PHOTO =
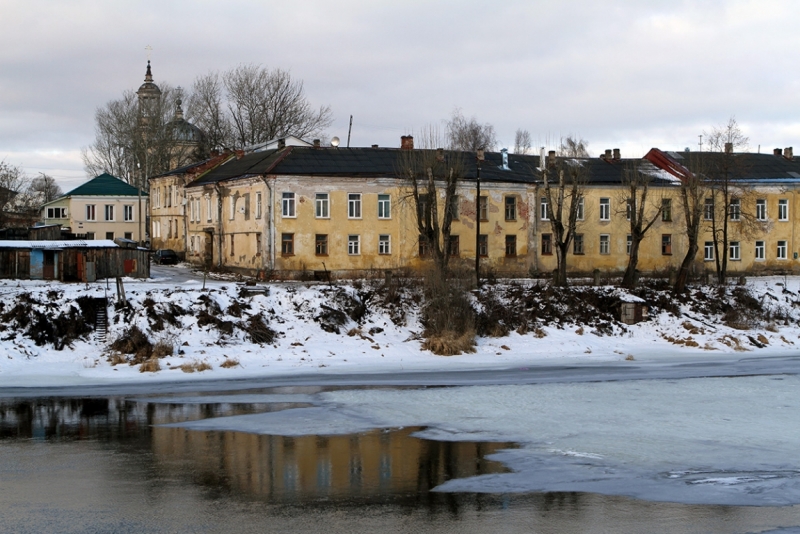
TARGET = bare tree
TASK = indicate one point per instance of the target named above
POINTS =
(12, 181)
(573, 147)
(264, 104)
(206, 108)
(642, 213)
(433, 174)
(723, 174)
(522, 142)
(692, 194)
(45, 188)
(469, 135)
(564, 183)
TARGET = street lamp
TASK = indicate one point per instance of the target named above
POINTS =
(479, 158)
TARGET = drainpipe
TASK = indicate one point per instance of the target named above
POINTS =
(219, 226)
(271, 229)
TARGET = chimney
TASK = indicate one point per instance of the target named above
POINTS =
(239, 154)
(607, 155)
(406, 142)
(374, 146)
(729, 148)
(439, 154)
(551, 158)
(787, 153)
(777, 152)
(317, 143)
(616, 154)
(281, 143)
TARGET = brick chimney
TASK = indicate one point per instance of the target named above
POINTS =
(788, 153)
(281, 143)
(777, 152)
(317, 143)
(374, 146)
(551, 158)
(406, 142)
(729, 148)
(607, 155)
(617, 154)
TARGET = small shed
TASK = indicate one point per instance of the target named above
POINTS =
(71, 261)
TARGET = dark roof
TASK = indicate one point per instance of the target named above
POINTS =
(105, 185)
(742, 165)
(383, 162)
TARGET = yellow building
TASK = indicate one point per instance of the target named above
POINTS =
(299, 211)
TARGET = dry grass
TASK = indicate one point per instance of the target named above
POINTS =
(762, 339)
(150, 366)
(195, 366)
(450, 344)
(163, 348)
(230, 362)
(117, 358)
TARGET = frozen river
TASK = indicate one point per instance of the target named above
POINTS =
(680, 446)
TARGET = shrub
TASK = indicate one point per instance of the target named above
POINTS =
(447, 315)
(229, 362)
(195, 366)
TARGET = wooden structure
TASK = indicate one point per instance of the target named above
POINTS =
(71, 261)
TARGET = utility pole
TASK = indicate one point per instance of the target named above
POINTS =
(479, 157)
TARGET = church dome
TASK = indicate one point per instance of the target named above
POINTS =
(183, 130)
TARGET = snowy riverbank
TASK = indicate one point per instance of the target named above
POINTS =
(228, 331)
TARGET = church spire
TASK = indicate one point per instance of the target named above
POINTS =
(148, 77)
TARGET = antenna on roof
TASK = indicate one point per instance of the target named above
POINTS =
(701, 142)
(349, 130)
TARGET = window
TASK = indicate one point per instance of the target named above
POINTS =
(258, 244)
(191, 210)
(483, 208)
(424, 247)
(483, 245)
(384, 207)
(580, 209)
(577, 244)
(127, 213)
(605, 246)
(232, 204)
(761, 209)
(288, 206)
(287, 244)
(384, 244)
(547, 244)
(708, 251)
(452, 207)
(90, 236)
(453, 245)
(232, 243)
(90, 213)
(354, 244)
(735, 210)
(259, 206)
(628, 209)
(734, 252)
(354, 206)
(628, 244)
(423, 207)
(666, 244)
(544, 209)
(511, 246)
(56, 213)
(708, 209)
(110, 235)
(760, 250)
(781, 250)
(783, 209)
(511, 208)
(156, 229)
(208, 208)
(321, 245)
(605, 209)
(129, 235)
(322, 206)
(109, 212)
(666, 209)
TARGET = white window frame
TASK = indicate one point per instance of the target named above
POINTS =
(127, 213)
(322, 206)
(605, 209)
(580, 214)
(734, 251)
(353, 245)
(259, 204)
(760, 251)
(288, 205)
(735, 210)
(708, 209)
(384, 244)
(605, 244)
(543, 209)
(232, 207)
(783, 209)
(108, 212)
(782, 249)
(708, 251)
(761, 209)
(208, 208)
(57, 213)
(91, 212)
(353, 205)
(384, 206)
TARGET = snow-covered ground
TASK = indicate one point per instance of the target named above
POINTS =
(374, 344)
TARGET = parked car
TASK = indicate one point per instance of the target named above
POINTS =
(165, 257)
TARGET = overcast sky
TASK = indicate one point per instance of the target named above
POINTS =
(621, 74)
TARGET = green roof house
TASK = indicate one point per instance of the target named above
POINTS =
(105, 207)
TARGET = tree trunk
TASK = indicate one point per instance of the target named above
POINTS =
(629, 279)
(683, 272)
(561, 271)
